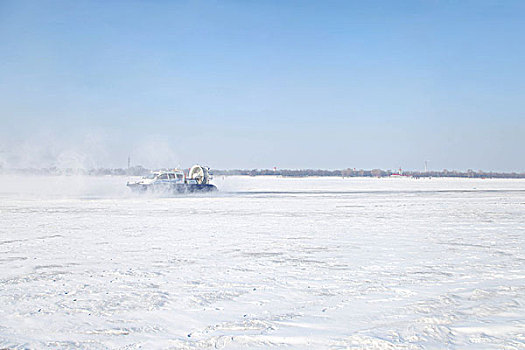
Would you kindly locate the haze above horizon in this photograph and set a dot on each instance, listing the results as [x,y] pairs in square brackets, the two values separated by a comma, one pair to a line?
[245,84]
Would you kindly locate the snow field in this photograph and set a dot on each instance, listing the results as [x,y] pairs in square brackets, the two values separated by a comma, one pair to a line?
[266,262]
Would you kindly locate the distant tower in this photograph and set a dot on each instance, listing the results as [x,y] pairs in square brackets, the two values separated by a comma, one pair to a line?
[426,166]
[129,161]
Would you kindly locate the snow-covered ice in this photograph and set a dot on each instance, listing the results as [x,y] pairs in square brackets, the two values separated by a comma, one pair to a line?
[392,263]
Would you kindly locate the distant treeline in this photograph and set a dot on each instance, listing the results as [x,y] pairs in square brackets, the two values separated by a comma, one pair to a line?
[141,171]
[369,173]
[132,171]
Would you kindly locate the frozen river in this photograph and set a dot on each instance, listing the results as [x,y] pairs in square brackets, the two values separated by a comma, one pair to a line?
[336,263]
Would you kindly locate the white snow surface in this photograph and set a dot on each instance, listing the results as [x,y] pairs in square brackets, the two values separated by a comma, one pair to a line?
[356,263]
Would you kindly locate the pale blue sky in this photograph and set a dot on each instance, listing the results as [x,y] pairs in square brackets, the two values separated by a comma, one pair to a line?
[257,84]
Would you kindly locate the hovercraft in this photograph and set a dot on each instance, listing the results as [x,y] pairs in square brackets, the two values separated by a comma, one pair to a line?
[175,181]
